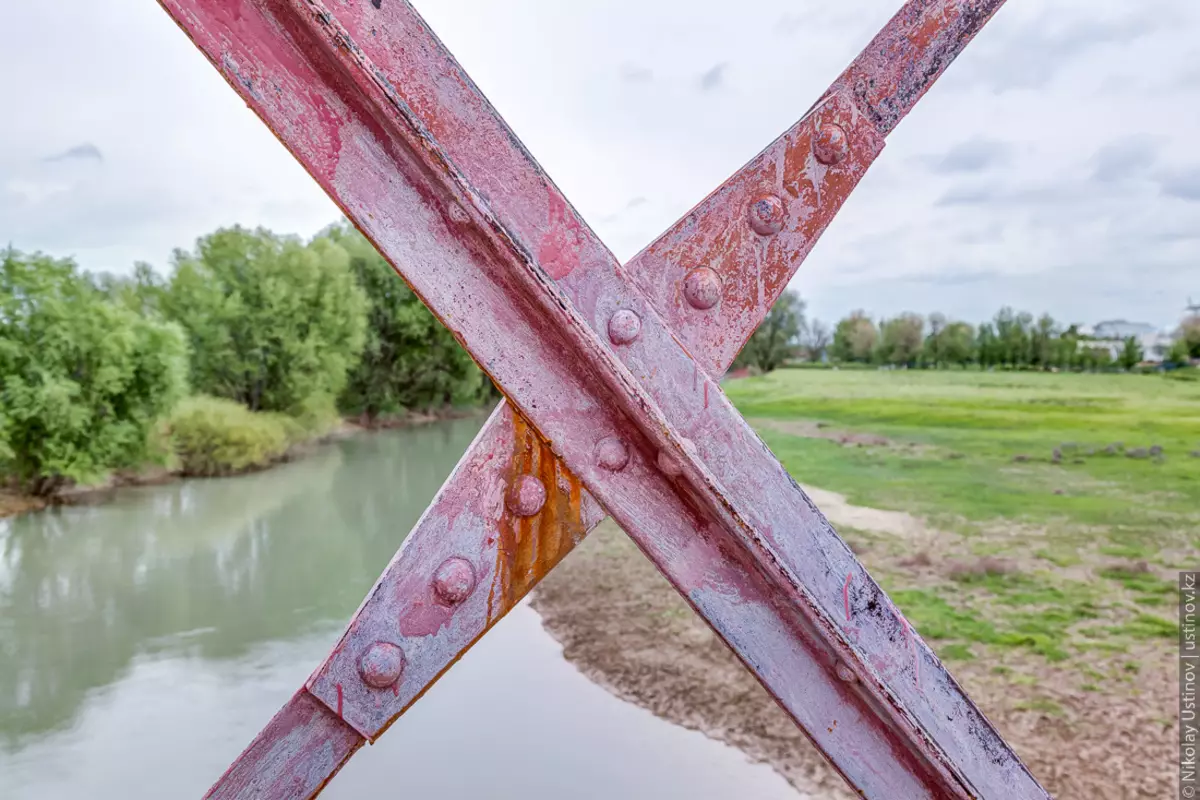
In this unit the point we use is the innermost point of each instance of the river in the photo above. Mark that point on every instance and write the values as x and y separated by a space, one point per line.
143 642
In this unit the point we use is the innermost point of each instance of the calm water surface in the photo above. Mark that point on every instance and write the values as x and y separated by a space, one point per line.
144 642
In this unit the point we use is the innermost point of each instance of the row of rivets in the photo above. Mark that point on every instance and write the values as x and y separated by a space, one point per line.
382 663
766 215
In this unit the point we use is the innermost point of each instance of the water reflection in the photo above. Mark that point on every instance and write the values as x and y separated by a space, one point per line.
213 567
144 642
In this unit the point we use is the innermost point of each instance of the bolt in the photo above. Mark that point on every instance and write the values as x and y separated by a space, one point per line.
766 215
702 288
831 144
845 674
454 580
624 326
668 465
381 665
526 496
612 454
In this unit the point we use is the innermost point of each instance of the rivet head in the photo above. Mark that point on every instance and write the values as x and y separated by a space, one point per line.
831 144
624 326
454 580
668 465
458 213
526 496
381 665
766 215
702 288
845 673
612 454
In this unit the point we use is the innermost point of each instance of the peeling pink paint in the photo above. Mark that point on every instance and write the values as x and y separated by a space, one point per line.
389 125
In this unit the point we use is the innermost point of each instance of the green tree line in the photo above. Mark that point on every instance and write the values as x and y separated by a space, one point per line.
251 342
1011 339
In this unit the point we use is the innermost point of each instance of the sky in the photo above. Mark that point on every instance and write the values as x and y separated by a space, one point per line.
1055 167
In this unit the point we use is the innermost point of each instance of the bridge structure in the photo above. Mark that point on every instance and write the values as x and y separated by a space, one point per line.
613 405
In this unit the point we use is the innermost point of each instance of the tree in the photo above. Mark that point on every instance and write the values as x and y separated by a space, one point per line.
933 349
1179 352
274 324
816 340
956 344
410 360
855 338
776 339
1132 353
1189 333
1042 341
901 339
82 378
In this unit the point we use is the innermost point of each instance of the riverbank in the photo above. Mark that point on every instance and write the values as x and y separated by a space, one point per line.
13 502
1030 526
624 626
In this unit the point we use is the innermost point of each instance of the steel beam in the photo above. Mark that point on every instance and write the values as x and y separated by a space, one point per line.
615 369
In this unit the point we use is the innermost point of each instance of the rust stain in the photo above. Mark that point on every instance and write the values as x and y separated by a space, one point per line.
530 547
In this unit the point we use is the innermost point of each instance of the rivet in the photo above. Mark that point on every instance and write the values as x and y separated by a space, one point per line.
526 496
668 465
845 674
702 288
458 213
624 326
766 215
381 665
612 454
454 580
831 144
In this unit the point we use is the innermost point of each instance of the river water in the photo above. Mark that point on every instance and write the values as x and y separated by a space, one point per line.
145 641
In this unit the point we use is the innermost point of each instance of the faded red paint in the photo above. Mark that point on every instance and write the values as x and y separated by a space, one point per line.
379 113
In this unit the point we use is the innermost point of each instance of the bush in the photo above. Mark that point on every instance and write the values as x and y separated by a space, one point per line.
212 436
82 378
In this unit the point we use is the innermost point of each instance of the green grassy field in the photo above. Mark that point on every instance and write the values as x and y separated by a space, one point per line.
1056 530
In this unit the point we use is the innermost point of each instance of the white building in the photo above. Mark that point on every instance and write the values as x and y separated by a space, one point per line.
1111 334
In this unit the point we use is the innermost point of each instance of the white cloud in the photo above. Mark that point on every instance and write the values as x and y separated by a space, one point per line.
1053 167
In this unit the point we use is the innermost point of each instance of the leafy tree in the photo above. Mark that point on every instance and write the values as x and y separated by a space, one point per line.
988 346
816 340
933 344
410 360
776 338
1189 334
901 339
1132 353
1179 352
1042 338
855 338
956 344
274 324
82 378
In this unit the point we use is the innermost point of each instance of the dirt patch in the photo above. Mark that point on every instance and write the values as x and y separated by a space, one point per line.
844 514
808 429
624 626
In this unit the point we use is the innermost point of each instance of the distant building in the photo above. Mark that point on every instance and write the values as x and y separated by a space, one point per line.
1122 329
1111 335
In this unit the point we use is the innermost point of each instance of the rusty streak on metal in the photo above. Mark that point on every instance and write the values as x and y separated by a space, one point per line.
390 126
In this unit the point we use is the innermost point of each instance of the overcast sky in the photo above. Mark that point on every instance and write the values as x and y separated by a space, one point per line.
1055 167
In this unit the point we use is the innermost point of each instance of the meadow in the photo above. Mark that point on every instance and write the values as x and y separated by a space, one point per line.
1060 506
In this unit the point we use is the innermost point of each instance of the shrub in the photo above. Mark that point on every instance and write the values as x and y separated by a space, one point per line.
213 436
82 378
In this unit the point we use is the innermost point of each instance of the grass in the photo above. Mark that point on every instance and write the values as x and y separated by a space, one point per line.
1026 466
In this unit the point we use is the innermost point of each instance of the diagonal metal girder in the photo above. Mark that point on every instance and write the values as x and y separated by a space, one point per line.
611 373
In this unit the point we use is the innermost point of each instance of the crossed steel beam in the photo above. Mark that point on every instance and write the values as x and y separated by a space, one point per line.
613 404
